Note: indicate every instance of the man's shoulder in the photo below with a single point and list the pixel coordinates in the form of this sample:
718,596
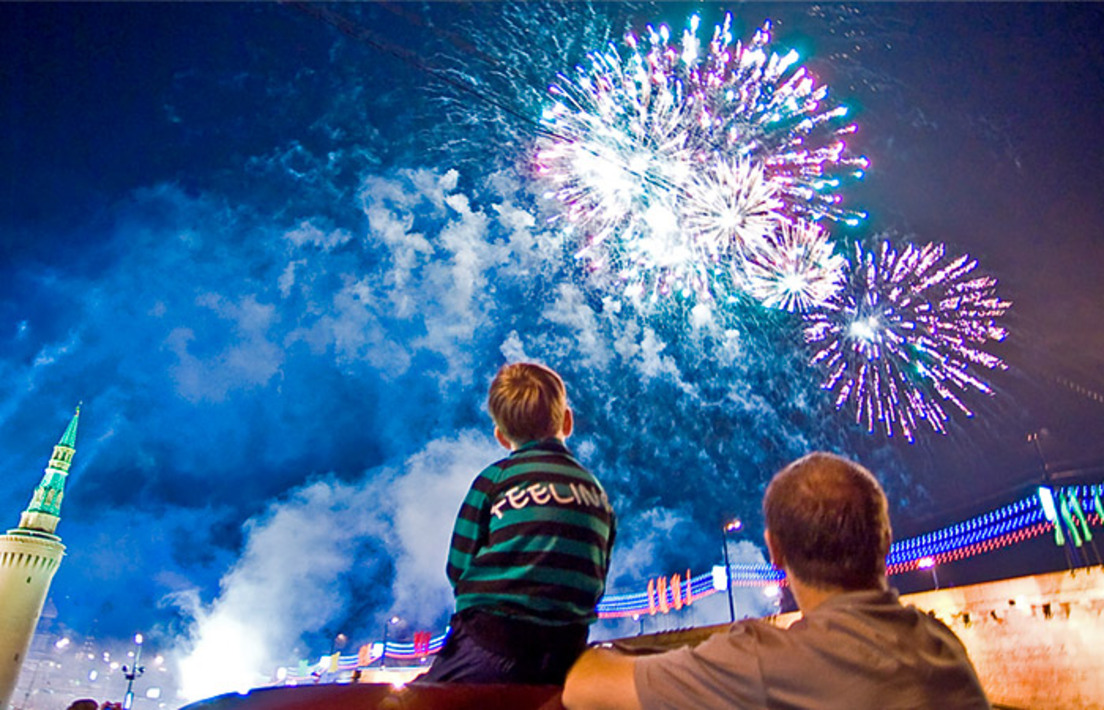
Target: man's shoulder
934,626
874,611
745,634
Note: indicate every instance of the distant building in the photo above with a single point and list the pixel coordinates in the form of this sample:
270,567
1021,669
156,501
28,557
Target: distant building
29,557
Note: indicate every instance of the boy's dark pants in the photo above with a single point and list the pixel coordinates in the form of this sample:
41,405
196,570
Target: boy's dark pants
488,648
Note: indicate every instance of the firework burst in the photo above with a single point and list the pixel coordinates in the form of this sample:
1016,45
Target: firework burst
673,161
731,208
796,269
905,337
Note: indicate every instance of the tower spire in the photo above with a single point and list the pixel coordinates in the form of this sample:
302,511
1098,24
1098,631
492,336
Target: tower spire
44,510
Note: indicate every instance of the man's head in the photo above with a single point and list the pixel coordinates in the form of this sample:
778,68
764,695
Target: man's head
84,704
528,402
828,520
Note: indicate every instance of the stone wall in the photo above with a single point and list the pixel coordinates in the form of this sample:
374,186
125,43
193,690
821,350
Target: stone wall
1037,642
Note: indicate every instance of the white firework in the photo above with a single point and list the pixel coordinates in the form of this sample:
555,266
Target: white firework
671,163
796,269
731,208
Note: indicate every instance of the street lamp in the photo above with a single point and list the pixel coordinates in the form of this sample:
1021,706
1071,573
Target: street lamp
929,563
132,672
733,525
383,649
336,645
640,618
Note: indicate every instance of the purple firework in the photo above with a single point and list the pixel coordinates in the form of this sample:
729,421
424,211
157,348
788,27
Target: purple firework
906,336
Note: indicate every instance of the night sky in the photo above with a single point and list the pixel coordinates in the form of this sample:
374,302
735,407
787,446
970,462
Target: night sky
279,263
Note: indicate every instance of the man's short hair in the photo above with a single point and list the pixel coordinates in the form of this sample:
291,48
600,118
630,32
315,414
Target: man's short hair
527,402
84,704
830,519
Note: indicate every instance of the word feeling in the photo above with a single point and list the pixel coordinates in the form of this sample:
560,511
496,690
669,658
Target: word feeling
578,494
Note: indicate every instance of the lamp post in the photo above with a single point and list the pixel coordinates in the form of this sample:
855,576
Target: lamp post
383,650
132,672
1046,496
733,525
336,646
929,563
640,618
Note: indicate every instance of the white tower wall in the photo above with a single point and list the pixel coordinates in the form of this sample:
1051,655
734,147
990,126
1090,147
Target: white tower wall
27,566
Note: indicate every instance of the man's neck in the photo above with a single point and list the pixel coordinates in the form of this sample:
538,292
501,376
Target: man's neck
809,597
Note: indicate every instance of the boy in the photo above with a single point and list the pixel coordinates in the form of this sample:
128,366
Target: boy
531,545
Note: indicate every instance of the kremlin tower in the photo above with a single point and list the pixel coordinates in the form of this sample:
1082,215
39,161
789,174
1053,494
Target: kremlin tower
29,556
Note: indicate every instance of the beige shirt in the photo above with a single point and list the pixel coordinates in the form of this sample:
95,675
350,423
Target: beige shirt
856,650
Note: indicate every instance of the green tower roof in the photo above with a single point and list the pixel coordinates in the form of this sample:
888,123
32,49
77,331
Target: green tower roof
44,509
69,438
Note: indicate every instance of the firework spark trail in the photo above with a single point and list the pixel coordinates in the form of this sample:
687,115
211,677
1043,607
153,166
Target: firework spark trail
673,162
501,89
796,270
899,341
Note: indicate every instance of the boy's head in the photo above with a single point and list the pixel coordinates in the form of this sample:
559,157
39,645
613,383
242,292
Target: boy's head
828,520
528,402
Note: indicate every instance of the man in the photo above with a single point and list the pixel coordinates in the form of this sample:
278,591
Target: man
857,646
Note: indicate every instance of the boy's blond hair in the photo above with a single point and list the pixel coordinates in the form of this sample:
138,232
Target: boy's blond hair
527,402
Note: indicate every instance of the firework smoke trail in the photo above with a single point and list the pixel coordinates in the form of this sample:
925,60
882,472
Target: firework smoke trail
898,342
796,269
517,43
673,162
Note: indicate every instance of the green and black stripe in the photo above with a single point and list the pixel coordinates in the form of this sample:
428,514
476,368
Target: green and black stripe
533,538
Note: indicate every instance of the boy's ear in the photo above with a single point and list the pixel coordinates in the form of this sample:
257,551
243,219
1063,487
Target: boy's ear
568,424
776,557
501,438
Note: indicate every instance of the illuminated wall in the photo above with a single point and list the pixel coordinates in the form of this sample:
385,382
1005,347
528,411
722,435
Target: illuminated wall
27,566
1037,642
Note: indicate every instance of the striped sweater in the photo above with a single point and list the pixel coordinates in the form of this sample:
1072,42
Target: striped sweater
533,539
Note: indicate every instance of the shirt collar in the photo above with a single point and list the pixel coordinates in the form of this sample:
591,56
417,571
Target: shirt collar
881,595
549,444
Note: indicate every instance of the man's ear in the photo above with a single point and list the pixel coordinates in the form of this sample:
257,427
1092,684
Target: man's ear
568,424
501,438
776,557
